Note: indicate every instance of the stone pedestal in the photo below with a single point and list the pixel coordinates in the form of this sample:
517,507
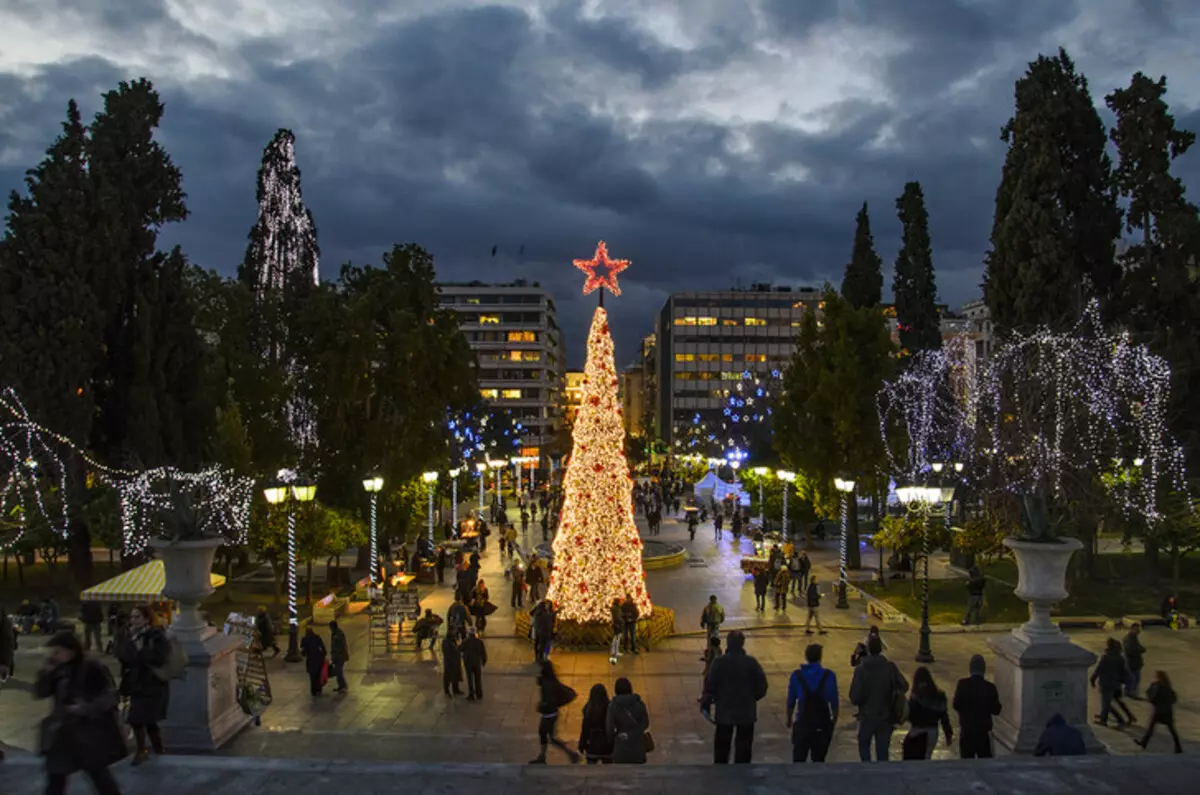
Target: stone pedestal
1038,671
204,713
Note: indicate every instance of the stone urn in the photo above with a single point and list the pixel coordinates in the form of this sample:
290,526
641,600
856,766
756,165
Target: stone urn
187,569
1042,583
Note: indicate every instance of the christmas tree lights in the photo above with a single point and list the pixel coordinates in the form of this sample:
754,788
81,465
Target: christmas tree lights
606,279
597,551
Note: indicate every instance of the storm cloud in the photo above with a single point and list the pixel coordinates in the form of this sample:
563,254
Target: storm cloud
713,142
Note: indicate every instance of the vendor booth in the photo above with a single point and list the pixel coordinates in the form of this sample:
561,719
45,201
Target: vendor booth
141,585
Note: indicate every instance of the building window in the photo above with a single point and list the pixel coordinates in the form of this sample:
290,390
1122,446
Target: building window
756,357
727,357
489,319
472,300
522,336
706,321
489,394
709,357
510,394
685,321
524,356
728,322
755,321
685,357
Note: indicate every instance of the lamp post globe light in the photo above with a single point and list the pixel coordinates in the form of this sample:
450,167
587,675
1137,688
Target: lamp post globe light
299,490
372,484
454,473
924,497
846,487
787,478
430,479
481,468
762,473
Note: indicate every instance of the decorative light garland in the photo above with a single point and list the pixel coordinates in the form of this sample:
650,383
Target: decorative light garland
597,551
29,450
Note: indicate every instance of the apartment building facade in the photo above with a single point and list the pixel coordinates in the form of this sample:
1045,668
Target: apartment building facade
513,330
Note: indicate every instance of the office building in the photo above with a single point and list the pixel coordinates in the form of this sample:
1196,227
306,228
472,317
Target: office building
572,396
633,400
707,341
513,330
979,327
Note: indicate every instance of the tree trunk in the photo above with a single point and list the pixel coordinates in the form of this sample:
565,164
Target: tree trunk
79,554
1087,556
20,570
363,561
1150,558
229,578
308,581
4,576
853,551
1175,561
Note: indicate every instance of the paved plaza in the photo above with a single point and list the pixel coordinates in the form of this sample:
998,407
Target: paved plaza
395,710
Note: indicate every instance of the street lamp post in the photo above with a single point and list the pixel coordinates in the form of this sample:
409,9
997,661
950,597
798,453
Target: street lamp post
927,496
762,473
454,473
430,478
372,485
481,468
786,478
497,465
517,462
300,490
846,487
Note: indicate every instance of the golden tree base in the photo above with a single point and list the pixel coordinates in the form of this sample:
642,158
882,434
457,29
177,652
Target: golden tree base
595,636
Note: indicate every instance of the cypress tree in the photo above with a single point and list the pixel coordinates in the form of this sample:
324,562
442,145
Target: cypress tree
1056,218
914,286
862,284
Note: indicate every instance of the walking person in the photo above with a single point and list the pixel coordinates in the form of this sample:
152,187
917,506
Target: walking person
735,684
783,578
145,649
517,573
805,570
762,581
813,600
457,618
975,585
553,695
628,723
795,569
594,740
876,689
976,701
474,658
1135,660
629,622
452,673
543,630
1162,698
711,652
91,614
313,650
339,655
618,631
1110,675
927,709
534,577
812,707
712,617
82,732
266,631
718,523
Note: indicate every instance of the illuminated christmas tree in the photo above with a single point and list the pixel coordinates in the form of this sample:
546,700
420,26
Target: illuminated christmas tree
598,552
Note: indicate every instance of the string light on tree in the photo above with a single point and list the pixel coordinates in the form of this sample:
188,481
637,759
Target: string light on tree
607,278
597,551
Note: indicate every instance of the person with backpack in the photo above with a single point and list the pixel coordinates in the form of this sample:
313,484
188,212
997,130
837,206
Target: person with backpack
977,701
143,654
812,707
553,695
712,617
879,691
813,599
1162,698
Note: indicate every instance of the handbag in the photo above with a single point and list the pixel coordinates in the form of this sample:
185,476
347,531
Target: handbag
648,740
324,672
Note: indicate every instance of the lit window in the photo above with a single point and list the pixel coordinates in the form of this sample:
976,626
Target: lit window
472,300
687,376
685,357
511,394
685,321
755,321
756,357
489,394
727,357
531,356
522,336
706,321
709,357
489,319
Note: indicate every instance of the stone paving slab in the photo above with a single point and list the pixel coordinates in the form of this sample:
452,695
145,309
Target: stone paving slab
1164,775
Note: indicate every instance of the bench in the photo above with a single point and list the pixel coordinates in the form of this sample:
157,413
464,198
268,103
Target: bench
361,590
882,611
1084,622
329,608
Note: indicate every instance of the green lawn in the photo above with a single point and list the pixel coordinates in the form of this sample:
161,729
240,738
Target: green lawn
1120,589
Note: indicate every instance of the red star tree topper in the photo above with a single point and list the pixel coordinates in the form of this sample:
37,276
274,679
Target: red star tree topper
598,552
611,268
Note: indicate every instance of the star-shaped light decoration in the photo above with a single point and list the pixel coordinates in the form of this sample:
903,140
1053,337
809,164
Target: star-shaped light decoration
611,268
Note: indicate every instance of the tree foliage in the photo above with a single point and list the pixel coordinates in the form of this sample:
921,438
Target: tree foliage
862,284
914,286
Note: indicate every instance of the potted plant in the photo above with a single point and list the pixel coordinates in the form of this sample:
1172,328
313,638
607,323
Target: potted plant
186,544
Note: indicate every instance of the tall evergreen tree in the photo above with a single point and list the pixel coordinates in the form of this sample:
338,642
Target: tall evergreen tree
862,284
1056,218
914,285
1160,295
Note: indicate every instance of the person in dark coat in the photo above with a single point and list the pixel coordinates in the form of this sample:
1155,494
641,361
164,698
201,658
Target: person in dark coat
629,623
1110,675
457,619
876,681
439,566
1060,739
594,741
976,582
266,631
762,581
976,701
1161,696
141,652
82,732
517,600
91,614
735,684
313,649
474,657
339,655
627,722
542,619
534,577
553,695
1135,660
927,709
452,674
8,644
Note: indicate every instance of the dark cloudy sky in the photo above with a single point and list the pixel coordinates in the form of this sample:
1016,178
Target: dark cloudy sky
710,141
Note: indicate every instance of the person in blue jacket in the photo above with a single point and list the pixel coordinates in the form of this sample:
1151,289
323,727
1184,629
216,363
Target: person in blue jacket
812,707
1060,739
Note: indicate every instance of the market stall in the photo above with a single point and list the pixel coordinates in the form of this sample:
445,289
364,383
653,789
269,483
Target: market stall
141,585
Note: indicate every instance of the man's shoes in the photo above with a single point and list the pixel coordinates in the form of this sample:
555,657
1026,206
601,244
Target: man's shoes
541,760
808,632
471,697
576,758
822,632
140,757
339,690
